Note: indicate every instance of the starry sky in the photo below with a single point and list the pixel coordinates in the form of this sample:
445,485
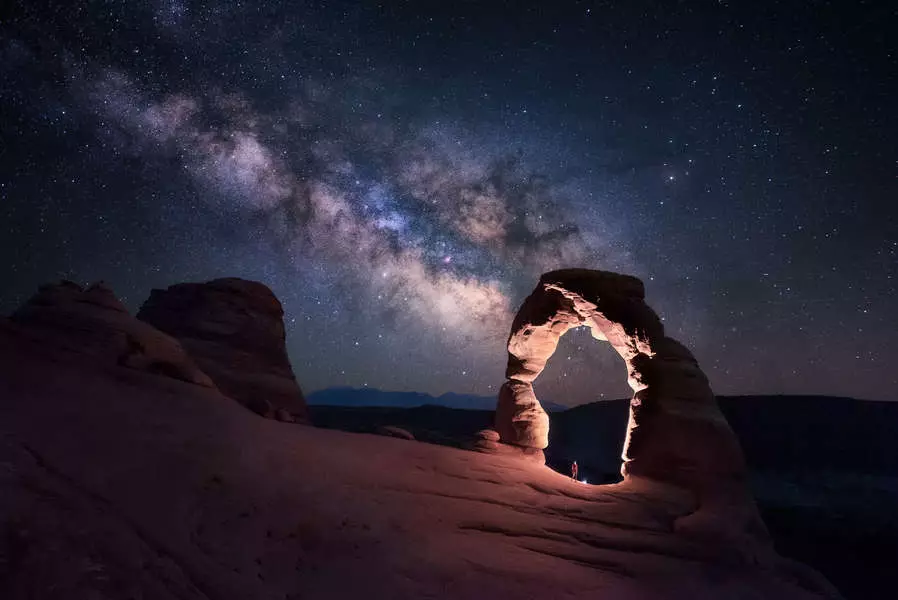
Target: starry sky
400,173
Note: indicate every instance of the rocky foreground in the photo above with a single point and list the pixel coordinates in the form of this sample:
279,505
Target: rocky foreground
126,472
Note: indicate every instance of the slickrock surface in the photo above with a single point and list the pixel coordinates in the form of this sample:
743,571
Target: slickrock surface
138,486
92,326
234,330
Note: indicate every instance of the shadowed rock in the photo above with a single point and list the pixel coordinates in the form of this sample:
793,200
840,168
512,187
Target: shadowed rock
396,432
676,433
92,325
234,329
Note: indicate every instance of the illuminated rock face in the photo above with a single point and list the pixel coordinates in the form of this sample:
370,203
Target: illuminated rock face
676,432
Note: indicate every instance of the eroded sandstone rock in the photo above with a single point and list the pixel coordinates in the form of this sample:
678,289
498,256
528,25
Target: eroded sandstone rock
234,330
92,325
676,432
520,418
396,432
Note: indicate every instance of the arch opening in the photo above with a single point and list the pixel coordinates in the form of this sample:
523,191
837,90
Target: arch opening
588,378
580,359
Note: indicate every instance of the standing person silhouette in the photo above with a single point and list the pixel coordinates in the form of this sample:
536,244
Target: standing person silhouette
575,470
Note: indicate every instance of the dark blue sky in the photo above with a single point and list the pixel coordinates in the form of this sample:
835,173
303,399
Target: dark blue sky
400,174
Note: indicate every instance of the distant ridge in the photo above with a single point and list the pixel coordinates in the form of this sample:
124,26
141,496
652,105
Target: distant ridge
780,433
349,396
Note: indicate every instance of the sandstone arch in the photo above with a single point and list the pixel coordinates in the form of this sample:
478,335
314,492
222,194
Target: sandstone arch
676,432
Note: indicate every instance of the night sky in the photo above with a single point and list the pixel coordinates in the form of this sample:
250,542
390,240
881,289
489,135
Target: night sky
400,173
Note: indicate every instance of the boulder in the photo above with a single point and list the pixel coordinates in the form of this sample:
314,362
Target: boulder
485,440
283,415
396,432
234,330
91,325
490,435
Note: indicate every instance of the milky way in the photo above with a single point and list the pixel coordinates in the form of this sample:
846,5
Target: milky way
401,175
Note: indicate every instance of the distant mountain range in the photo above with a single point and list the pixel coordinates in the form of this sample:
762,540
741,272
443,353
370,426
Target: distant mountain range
348,396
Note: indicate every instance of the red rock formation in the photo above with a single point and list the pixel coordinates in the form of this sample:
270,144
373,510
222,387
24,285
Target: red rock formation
234,329
92,326
396,432
676,432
